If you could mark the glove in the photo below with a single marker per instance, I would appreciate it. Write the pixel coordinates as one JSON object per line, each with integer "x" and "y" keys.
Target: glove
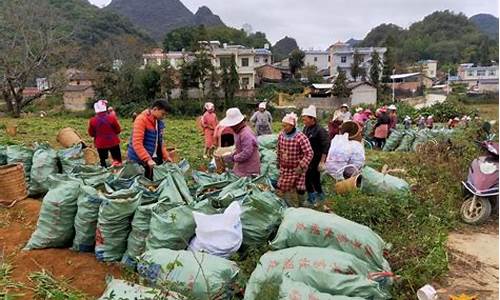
{"x": 321, "y": 167}
{"x": 299, "y": 170}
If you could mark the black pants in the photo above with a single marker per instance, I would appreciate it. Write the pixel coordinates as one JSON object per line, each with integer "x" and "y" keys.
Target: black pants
{"x": 148, "y": 171}
{"x": 379, "y": 143}
{"x": 313, "y": 180}
{"x": 116, "y": 154}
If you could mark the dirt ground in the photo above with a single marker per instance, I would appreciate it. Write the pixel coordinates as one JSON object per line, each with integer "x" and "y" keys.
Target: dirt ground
{"x": 82, "y": 269}
{"x": 473, "y": 255}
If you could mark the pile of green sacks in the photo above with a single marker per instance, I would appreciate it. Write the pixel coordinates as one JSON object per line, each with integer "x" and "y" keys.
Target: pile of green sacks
{"x": 326, "y": 254}
{"x": 409, "y": 139}
{"x": 268, "y": 157}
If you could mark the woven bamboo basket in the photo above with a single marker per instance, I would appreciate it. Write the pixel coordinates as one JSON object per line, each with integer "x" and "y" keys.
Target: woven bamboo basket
{"x": 67, "y": 137}
{"x": 354, "y": 130}
{"x": 349, "y": 185}
{"x": 90, "y": 156}
{"x": 173, "y": 154}
{"x": 11, "y": 130}
{"x": 12, "y": 184}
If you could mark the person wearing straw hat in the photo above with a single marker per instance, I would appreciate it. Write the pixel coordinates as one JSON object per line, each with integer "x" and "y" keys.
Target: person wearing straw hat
{"x": 209, "y": 123}
{"x": 246, "y": 157}
{"x": 407, "y": 122}
{"x": 318, "y": 137}
{"x": 393, "y": 116}
{"x": 294, "y": 155}
{"x": 262, "y": 120}
{"x": 381, "y": 127}
{"x": 105, "y": 130}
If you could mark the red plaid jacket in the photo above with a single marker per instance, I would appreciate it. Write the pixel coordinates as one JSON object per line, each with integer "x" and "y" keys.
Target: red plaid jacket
{"x": 293, "y": 152}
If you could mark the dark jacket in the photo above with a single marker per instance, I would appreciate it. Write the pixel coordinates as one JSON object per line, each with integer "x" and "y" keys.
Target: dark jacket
{"x": 320, "y": 143}
{"x": 383, "y": 119}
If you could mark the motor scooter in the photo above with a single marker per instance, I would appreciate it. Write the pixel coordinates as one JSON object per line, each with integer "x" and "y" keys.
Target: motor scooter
{"x": 481, "y": 187}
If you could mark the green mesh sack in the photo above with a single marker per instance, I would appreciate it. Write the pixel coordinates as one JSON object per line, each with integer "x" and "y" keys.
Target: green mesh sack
{"x": 377, "y": 183}
{"x": 268, "y": 141}
{"x": 89, "y": 201}
{"x": 324, "y": 269}
{"x": 71, "y": 158}
{"x": 290, "y": 289}
{"x": 175, "y": 176}
{"x": 193, "y": 270}
{"x": 307, "y": 227}
{"x": 59, "y": 206}
{"x": 44, "y": 165}
{"x": 114, "y": 223}
{"x": 406, "y": 142}
{"x": 172, "y": 227}
{"x": 21, "y": 154}
{"x": 393, "y": 140}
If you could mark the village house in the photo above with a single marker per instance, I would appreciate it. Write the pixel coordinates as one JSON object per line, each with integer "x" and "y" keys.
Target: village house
{"x": 342, "y": 57}
{"x": 158, "y": 57}
{"x": 245, "y": 62}
{"x": 477, "y": 78}
{"x": 410, "y": 84}
{"x": 78, "y": 91}
{"x": 428, "y": 67}
{"x": 361, "y": 92}
{"x": 318, "y": 58}
{"x": 268, "y": 73}
{"x": 263, "y": 56}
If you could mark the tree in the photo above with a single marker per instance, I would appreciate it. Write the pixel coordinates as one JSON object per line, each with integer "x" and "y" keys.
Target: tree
{"x": 29, "y": 40}
{"x": 311, "y": 73}
{"x": 340, "y": 88}
{"x": 296, "y": 61}
{"x": 200, "y": 68}
{"x": 389, "y": 65}
{"x": 356, "y": 69}
{"x": 230, "y": 80}
{"x": 213, "y": 93}
{"x": 167, "y": 80}
{"x": 375, "y": 67}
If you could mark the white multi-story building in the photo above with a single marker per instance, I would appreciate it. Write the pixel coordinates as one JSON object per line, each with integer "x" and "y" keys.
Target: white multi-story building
{"x": 429, "y": 67}
{"x": 158, "y": 57}
{"x": 263, "y": 56}
{"x": 342, "y": 56}
{"x": 478, "y": 78}
{"x": 318, "y": 58}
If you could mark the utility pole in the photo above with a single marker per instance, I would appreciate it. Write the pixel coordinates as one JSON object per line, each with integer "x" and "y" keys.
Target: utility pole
{"x": 393, "y": 71}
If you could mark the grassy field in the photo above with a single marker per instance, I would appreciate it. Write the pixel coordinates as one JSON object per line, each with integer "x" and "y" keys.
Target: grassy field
{"x": 416, "y": 225}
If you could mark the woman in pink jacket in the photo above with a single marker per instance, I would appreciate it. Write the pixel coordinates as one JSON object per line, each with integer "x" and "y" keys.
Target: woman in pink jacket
{"x": 209, "y": 123}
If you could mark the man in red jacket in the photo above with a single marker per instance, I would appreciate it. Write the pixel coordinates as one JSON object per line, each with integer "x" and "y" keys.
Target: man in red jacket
{"x": 104, "y": 128}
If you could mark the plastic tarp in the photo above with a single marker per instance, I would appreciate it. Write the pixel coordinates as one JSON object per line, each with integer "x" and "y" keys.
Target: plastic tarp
{"x": 44, "y": 165}
{"x": 173, "y": 227}
{"x": 192, "y": 269}
{"x": 261, "y": 214}
{"x": 374, "y": 182}
{"x": 296, "y": 290}
{"x": 113, "y": 223}
{"x": 21, "y": 154}
{"x": 326, "y": 270}
{"x": 393, "y": 140}
{"x": 71, "y": 158}
{"x": 121, "y": 289}
{"x": 89, "y": 201}
{"x": 307, "y": 227}
{"x": 57, "y": 214}
{"x": 218, "y": 234}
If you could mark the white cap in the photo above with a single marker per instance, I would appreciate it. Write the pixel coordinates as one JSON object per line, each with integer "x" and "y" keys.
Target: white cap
{"x": 310, "y": 111}
{"x": 344, "y": 105}
{"x": 290, "y": 118}
{"x": 262, "y": 105}
{"x": 233, "y": 117}
{"x": 100, "y": 106}
{"x": 209, "y": 106}
{"x": 392, "y": 107}
{"x": 359, "y": 109}
{"x": 429, "y": 117}
{"x": 407, "y": 118}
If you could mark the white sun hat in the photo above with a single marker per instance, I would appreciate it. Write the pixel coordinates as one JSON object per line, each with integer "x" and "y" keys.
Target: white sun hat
{"x": 233, "y": 117}
{"x": 310, "y": 111}
{"x": 359, "y": 109}
{"x": 100, "y": 106}
{"x": 392, "y": 107}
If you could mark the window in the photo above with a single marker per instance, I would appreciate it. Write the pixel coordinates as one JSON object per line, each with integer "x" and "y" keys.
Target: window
{"x": 329, "y": 59}
{"x": 225, "y": 60}
{"x": 470, "y": 73}
{"x": 245, "y": 81}
{"x": 492, "y": 73}
{"x": 244, "y": 62}
{"x": 315, "y": 59}
{"x": 343, "y": 59}
{"x": 481, "y": 72}
{"x": 266, "y": 60}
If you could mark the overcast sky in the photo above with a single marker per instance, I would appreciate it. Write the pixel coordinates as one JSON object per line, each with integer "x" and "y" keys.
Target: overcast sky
{"x": 320, "y": 23}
